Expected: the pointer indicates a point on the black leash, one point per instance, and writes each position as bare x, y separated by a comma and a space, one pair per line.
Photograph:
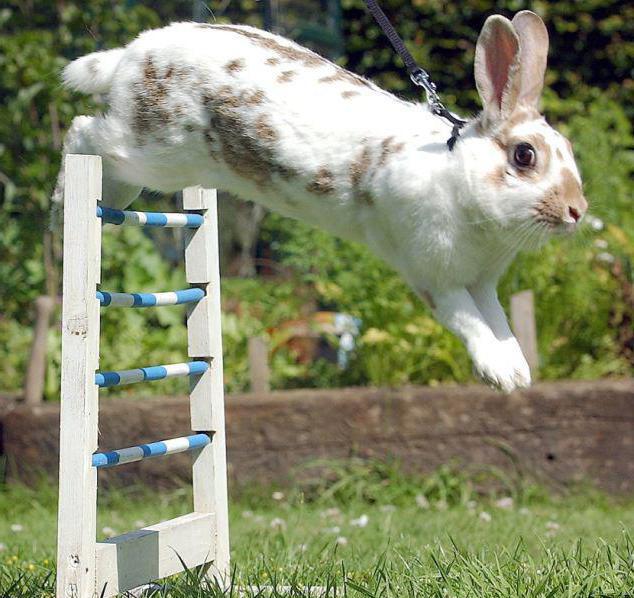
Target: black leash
418, 75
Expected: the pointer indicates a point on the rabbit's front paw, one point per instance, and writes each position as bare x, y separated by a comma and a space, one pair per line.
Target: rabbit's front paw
501, 365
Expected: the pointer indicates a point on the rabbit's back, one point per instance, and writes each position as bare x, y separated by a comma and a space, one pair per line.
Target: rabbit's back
222, 81
253, 113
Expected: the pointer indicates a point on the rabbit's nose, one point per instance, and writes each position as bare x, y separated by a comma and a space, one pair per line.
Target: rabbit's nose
574, 213
575, 210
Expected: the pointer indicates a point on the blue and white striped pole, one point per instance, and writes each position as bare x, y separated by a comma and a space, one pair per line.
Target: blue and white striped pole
160, 219
107, 299
153, 449
155, 372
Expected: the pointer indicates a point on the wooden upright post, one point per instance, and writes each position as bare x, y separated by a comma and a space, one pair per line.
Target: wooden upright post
259, 372
207, 393
36, 370
524, 327
80, 360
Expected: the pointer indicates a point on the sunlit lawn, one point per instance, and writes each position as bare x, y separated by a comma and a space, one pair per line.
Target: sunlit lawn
433, 537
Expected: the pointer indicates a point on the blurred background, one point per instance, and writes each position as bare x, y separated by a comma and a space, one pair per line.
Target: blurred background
325, 313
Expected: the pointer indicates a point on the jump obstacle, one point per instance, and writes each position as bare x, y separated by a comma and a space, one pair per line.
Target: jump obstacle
87, 568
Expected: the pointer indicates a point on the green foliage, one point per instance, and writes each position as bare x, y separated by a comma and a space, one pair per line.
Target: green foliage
353, 481
579, 299
591, 44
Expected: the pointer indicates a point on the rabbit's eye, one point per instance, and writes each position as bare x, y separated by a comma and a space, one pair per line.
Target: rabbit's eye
524, 155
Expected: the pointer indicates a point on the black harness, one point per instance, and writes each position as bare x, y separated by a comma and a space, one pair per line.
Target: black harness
418, 75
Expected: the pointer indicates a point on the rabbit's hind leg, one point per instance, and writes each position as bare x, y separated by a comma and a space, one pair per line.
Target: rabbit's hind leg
88, 135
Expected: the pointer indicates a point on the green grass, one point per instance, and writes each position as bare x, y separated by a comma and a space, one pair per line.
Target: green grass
366, 531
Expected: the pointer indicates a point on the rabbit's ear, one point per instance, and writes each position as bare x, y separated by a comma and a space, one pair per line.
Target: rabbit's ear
534, 54
497, 64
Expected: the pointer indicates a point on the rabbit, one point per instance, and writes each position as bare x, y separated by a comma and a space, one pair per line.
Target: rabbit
252, 113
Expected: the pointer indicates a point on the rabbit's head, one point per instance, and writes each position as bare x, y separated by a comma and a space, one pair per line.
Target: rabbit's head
520, 171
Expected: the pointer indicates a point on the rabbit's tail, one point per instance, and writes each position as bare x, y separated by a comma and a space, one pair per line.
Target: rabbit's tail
94, 72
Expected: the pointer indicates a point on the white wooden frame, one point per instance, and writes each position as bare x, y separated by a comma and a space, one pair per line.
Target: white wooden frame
87, 568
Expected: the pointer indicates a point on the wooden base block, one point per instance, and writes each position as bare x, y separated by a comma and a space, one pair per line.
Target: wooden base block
137, 558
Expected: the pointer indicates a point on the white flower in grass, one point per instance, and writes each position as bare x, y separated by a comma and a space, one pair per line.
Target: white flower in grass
524, 511
387, 508
333, 530
108, 531
601, 244
471, 505
3, 547
16, 528
277, 496
605, 257
594, 222
361, 521
421, 501
552, 527
278, 524
484, 516
341, 541
505, 502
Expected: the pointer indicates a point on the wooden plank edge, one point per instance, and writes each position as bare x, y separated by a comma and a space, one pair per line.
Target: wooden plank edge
136, 558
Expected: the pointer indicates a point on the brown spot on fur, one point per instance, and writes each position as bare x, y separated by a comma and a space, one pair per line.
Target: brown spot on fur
291, 51
322, 183
226, 94
253, 98
559, 154
571, 189
247, 146
549, 208
554, 205
358, 170
295, 53
346, 95
151, 112
521, 116
264, 130
234, 66
497, 177
286, 76
345, 77
389, 147
503, 133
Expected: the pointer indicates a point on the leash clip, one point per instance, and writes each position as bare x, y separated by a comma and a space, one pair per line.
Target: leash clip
421, 78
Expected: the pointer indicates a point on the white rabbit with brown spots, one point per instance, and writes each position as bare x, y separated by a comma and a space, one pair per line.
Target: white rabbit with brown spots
252, 113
